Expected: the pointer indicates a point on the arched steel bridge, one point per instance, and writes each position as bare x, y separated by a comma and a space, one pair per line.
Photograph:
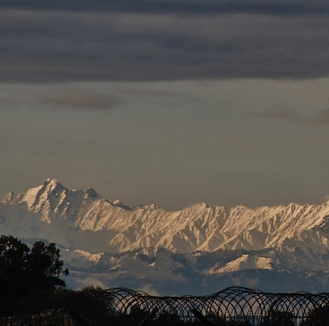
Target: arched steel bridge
237, 304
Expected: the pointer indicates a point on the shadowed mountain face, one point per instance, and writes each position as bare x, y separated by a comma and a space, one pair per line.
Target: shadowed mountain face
197, 250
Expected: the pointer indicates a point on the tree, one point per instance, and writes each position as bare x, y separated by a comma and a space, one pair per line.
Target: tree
280, 318
23, 270
13, 265
318, 316
45, 266
166, 318
91, 303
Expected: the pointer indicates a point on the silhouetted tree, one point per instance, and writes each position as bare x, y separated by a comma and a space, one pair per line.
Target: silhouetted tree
90, 304
280, 318
45, 266
23, 270
13, 266
165, 319
318, 317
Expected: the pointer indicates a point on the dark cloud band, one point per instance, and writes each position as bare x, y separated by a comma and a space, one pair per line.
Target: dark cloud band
182, 7
51, 46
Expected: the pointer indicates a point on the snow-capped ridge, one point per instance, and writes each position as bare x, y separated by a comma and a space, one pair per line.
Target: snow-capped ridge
52, 183
149, 206
201, 204
91, 192
199, 227
119, 203
147, 242
12, 199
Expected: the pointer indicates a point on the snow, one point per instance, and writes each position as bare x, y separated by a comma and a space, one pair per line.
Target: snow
92, 230
246, 261
199, 227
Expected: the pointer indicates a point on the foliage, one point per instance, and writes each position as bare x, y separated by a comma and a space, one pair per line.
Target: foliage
30, 284
318, 317
165, 319
91, 303
45, 267
280, 318
139, 316
23, 270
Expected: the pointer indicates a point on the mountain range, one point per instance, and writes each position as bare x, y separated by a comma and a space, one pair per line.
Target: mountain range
197, 250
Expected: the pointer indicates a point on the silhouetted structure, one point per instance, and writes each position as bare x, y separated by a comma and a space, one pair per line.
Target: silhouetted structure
235, 305
231, 306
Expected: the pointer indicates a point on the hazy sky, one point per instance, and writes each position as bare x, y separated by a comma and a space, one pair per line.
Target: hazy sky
170, 102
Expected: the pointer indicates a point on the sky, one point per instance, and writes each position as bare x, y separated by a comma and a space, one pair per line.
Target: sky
171, 102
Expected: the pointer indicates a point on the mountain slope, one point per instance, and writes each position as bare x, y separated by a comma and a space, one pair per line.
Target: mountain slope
128, 242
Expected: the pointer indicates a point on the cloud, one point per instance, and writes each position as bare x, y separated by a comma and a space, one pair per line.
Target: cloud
132, 91
77, 99
181, 7
162, 40
283, 114
61, 98
321, 116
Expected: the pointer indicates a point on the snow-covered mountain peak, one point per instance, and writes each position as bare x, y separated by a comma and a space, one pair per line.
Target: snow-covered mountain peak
201, 205
119, 203
148, 207
44, 195
53, 183
51, 199
91, 192
198, 227
11, 198
105, 235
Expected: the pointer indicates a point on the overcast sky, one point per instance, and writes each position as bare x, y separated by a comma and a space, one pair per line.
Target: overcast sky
170, 102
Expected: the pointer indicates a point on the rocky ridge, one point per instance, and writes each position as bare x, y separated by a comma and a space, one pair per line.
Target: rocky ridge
102, 235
